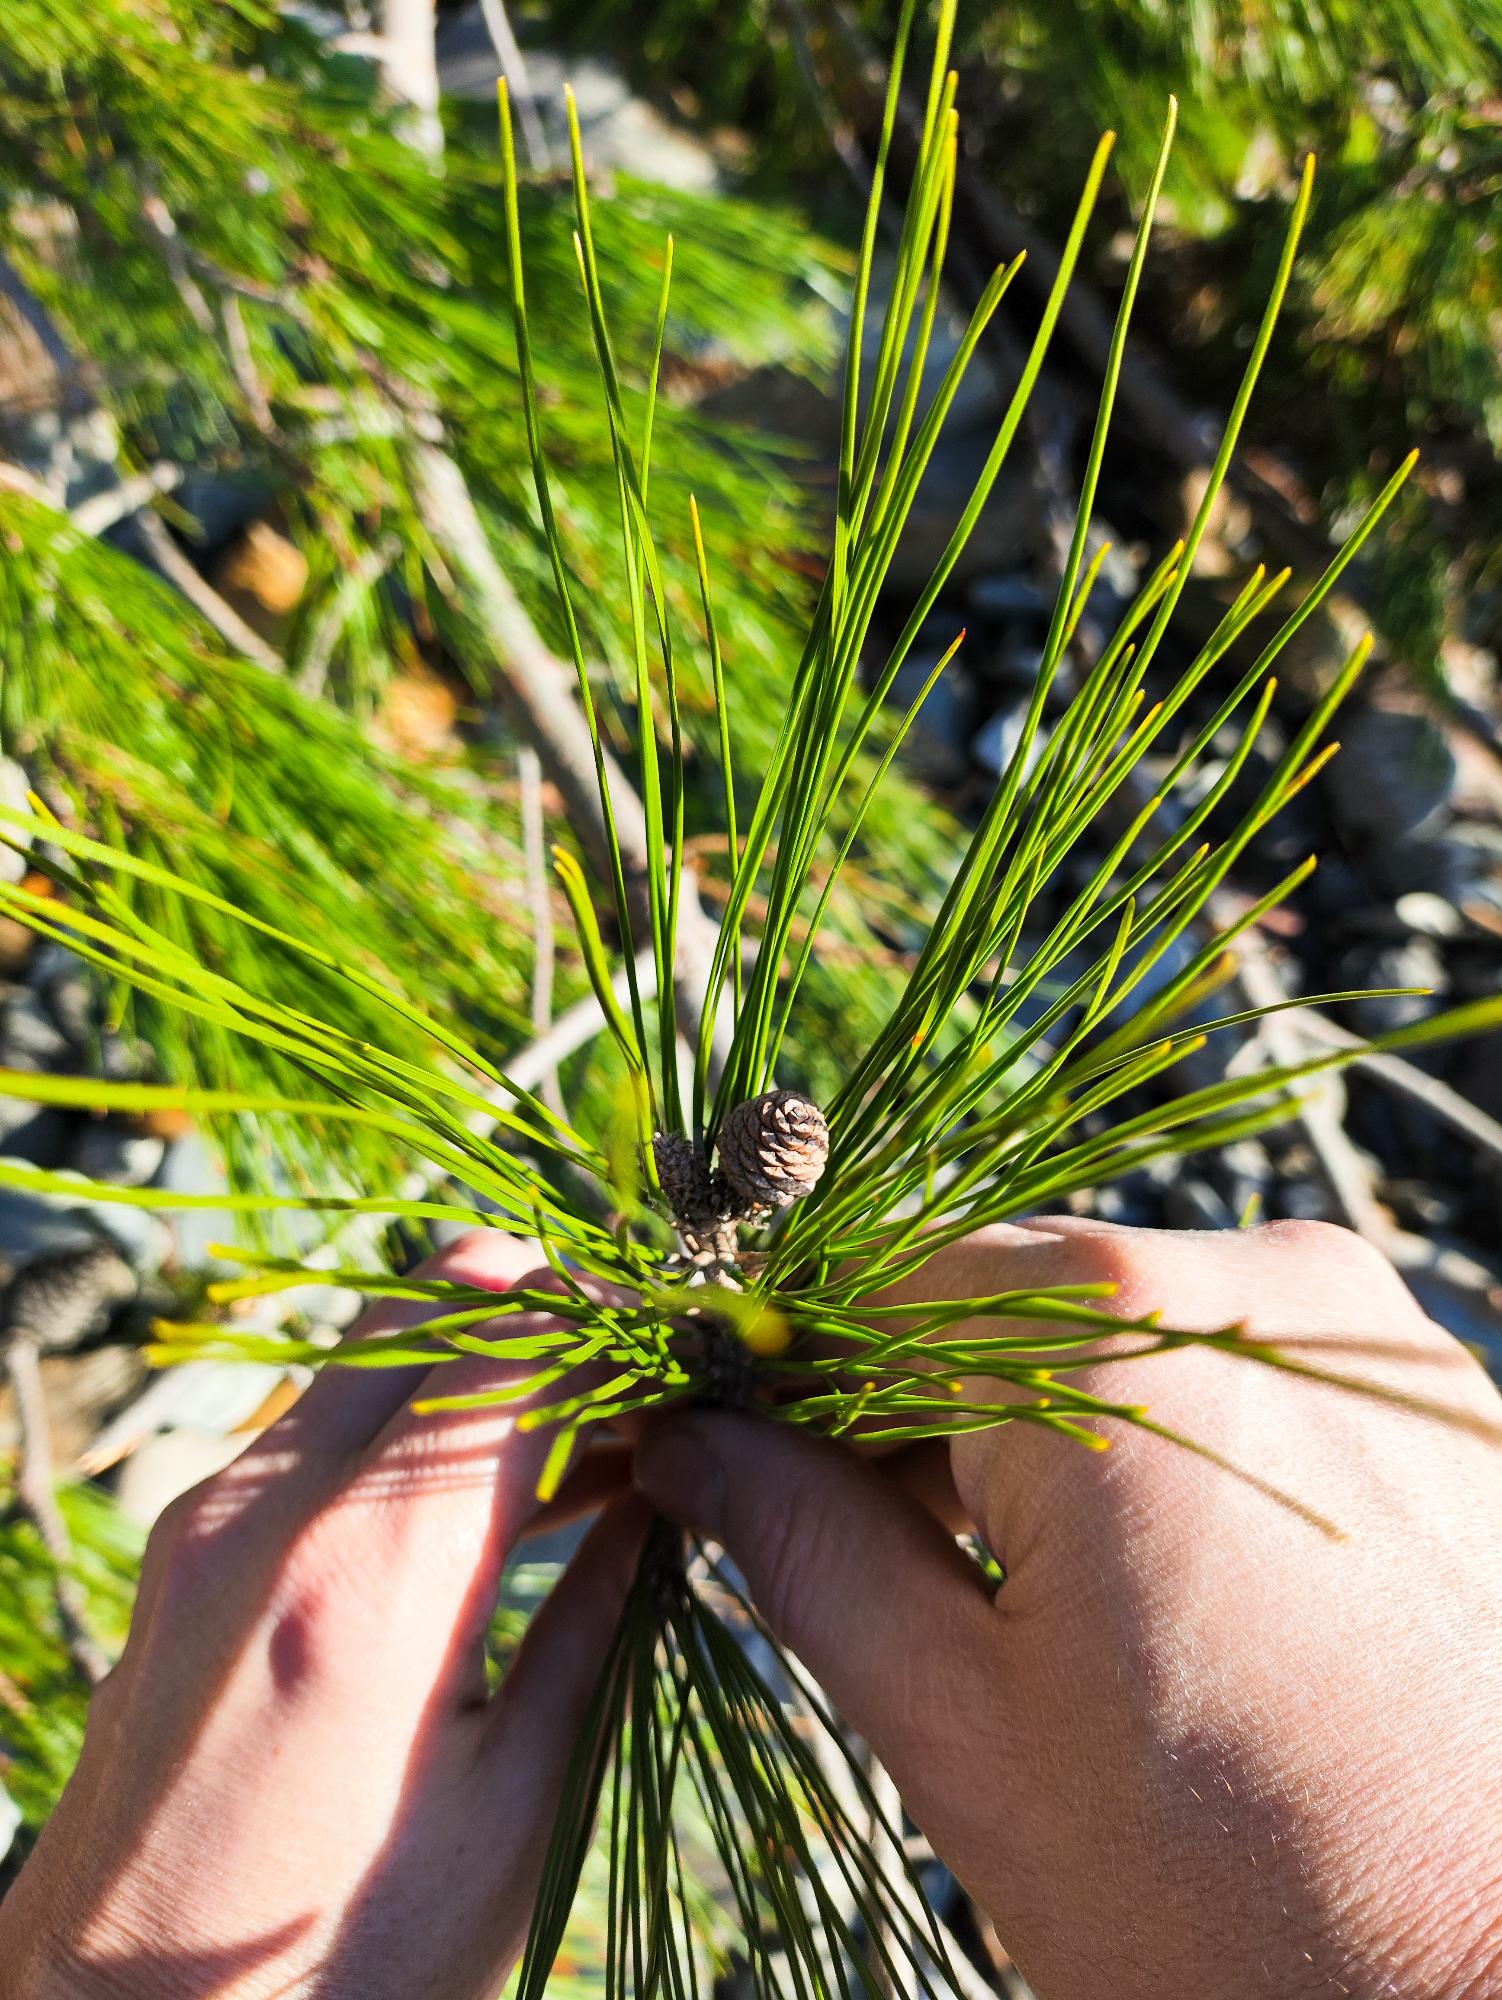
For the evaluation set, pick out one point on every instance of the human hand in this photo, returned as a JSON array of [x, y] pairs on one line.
[[1194, 1747], [295, 1783]]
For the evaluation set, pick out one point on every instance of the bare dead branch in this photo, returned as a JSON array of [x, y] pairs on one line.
[[36, 1499], [154, 542]]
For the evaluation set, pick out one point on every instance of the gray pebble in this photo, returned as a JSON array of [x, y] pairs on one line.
[[36, 1132], [1414, 962], [33, 1224], [1303, 1201], [937, 744], [29, 1037], [995, 742], [1421, 910], [10, 1821], [67, 995], [1009, 595], [106, 1151], [1192, 1203], [1394, 774]]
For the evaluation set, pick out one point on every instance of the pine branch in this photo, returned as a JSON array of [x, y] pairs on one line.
[[514, 69], [174, 1397], [532, 684]]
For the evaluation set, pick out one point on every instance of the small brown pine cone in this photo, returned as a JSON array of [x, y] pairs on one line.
[[690, 1190], [65, 1296], [773, 1148]]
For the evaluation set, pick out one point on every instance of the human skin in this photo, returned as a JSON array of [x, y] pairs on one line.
[[1195, 1747], [294, 1783]]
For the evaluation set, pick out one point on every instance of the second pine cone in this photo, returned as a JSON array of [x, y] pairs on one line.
[[773, 1148]]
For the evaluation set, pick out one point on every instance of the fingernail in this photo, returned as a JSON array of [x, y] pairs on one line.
[[680, 1472]]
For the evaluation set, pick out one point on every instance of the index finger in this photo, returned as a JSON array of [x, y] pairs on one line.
[[345, 1408]]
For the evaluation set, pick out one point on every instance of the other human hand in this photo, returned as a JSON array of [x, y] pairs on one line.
[[1194, 1747]]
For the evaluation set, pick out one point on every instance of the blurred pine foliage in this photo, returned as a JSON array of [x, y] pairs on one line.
[[43, 1700]]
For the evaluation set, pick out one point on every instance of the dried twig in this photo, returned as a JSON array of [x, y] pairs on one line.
[[893, 1978], [162, 223], [967, 1983], [313, 669], [537, 690], [237, 344], [1436, 1097], [514, 69], [36, 1499], [160, 552], [103, 510], [1346, 1175]]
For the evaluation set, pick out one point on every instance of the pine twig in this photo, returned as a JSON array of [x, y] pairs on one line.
[[532, 683], [242, 361], [540, 907], [410, 73], [537, 690], [102, 511], [893, 1979], [162, 223], [968, 1983], [36, 1500], [313, 668]]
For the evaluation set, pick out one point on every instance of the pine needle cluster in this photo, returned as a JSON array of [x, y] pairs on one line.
[[1007, 1074]]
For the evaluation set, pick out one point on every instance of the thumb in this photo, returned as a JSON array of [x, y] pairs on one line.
[[854, 1577]]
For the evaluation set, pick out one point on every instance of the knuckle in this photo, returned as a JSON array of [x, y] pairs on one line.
[[180, 1526], [1327, 1244], [1130, 1262], [176, 1561], [320, 1613], [486, 1257], [466, 1248], [317, 1566]]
